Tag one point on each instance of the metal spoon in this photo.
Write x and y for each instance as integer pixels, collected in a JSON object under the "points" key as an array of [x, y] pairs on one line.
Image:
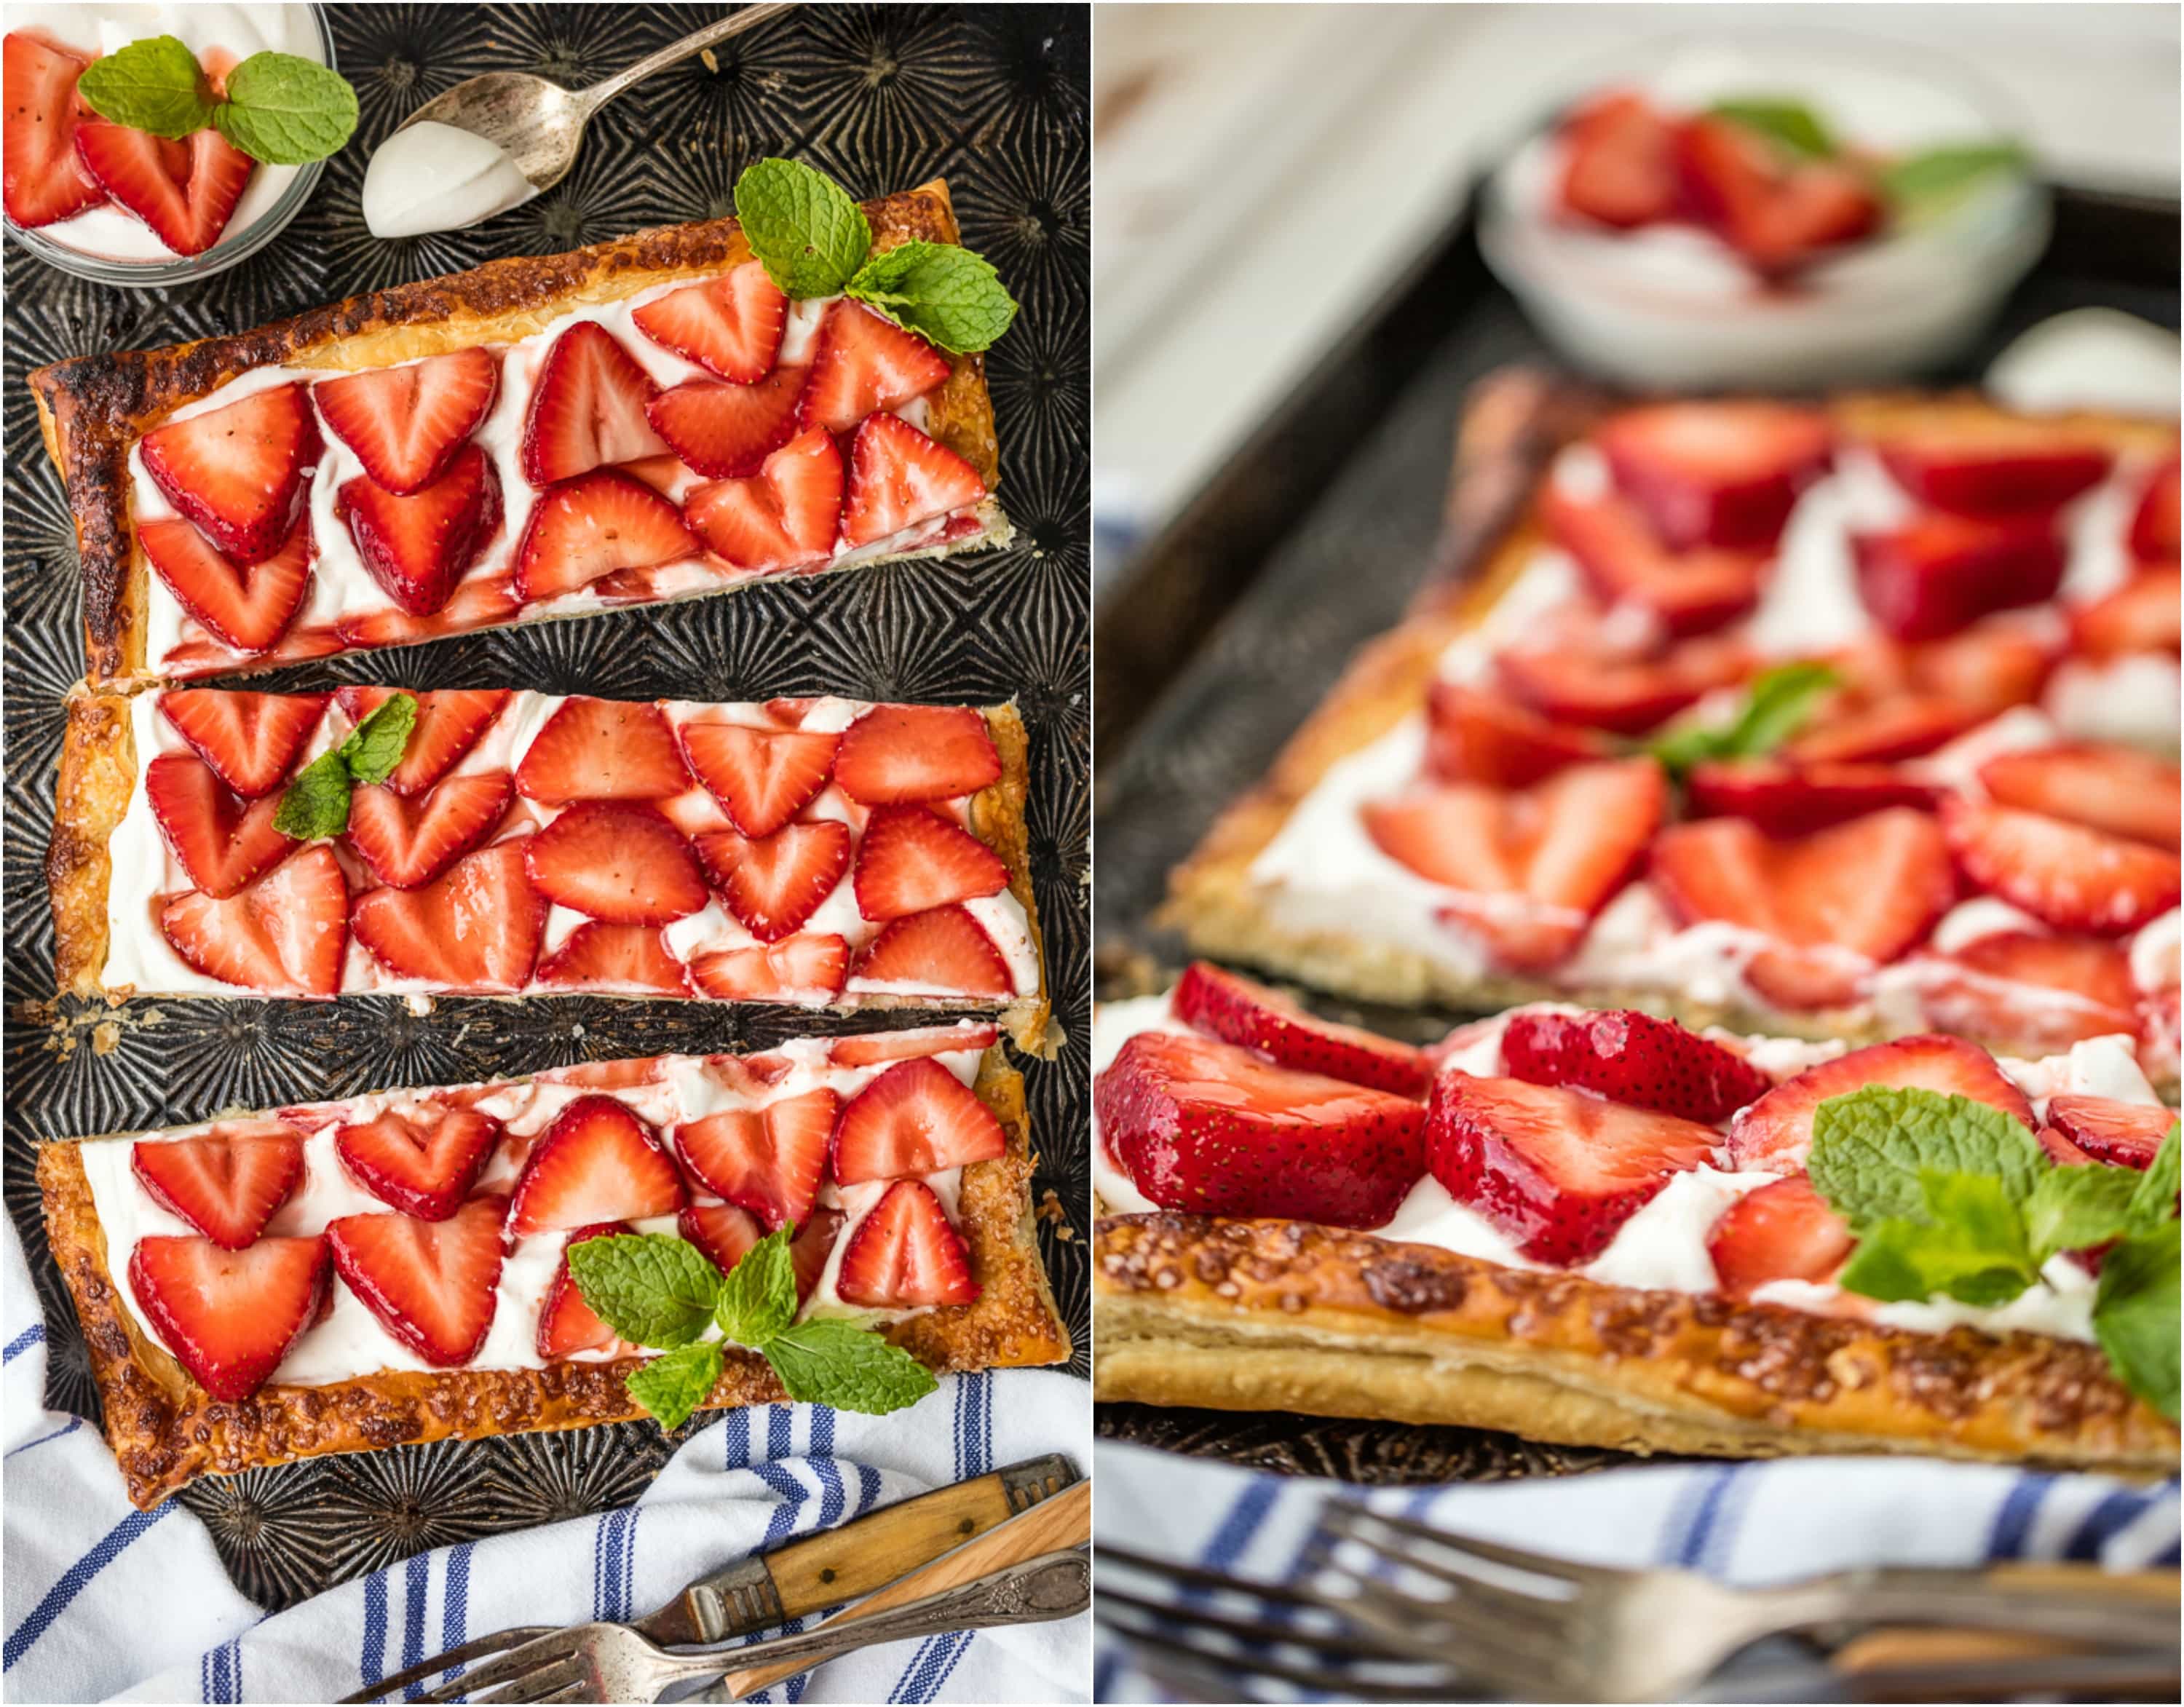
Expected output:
{"points": [[540, 124]]}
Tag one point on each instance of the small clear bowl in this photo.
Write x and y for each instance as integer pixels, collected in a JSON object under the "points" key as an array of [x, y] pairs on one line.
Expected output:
{"points": [[234, 247]]}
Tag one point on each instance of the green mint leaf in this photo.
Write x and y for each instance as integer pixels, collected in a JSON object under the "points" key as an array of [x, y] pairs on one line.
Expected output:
{"points": [[831, 1361], [1923, 186], [316, 803], [1870, 1147], [2153, 1200], [2074, 1207], [803, 226], [154, 84], [1775, 708], [285, 110], [949, 297], [672, 1386], [1980, 1208], [758, 1300], [375, 747], [2136, 1315], [1907, 1262], [1791, 123], [651, 1288]]}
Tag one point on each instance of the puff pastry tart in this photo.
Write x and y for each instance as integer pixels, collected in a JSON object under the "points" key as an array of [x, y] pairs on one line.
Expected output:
{"points": [[648, 419], [1593, 1228], [350, 1275], [821, 852], [1969, 823]]}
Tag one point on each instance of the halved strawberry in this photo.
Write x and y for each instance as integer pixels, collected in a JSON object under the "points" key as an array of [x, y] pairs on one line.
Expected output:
{"points": [[593, 527], [248, 608], [283, 935], [784, 516], [942, 951], [770, 1161], [864, 363], [615, 958], [726, 431], [476, 926], [904, 1255], [1834, 903], [1776, 209], [912, 858], [1632, 1057], [44, 179], [1994, 467], [1527, 868], [480, 600], [1990, 665], [226, 1184], [1717, 473], [895, 754], [407, 424], [762, 777], [775, 883], [1788, 799], [603, 749], [249, 739], [2063, 874], [898, 477], [722, 1231], [914, 1118], [1619, 164], [186, 192], [407, 843], [1237, 1010], [423, 1163], [2155, 523], [431, 1284], [1473, 736], [731, 325], [1903, 725], [1687, 591], [2142, 615], [809, 1250], [879, 1047], [1938, 572], [586, 407], [223, 842], [229, 1316], [1626, 695], [1209, 1128], [597, 1162], [417, 548], [1557, 1170], [1784, 1231], [1776, 1133], [240, 472], [566, 1324], [449, 721], [808, 970], [618, 861], [2126, 1134], [2118, 789], [2036, 994]]}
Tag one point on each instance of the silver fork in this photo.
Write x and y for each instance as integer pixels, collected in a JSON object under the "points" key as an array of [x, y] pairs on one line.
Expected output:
{"points": [[1545, 1629]]}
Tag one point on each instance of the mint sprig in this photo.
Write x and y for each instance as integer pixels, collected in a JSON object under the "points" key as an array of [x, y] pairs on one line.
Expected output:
{"points": [[1925, 186], [316, 803], [1791, 123], [949, 297], [154, 84], [277, 108], [1775, 708]]}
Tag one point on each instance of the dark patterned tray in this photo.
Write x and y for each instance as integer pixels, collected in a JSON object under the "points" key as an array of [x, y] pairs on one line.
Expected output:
{"points": [[992, 98]]}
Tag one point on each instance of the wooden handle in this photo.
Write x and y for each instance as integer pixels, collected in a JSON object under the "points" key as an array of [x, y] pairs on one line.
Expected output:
{"points": [[2042, 1578], [1913, 1646], [844, 1564]]}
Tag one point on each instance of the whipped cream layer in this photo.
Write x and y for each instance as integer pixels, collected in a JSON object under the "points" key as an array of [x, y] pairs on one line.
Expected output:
{"points": [[350, 1341], [144, 869]]}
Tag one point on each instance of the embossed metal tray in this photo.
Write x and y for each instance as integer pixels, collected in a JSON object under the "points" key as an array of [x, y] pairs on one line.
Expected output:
{"points": [[992, 98]]}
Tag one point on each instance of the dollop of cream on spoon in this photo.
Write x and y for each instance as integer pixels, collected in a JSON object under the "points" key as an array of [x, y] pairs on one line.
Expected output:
{"points": [[435, 177]]}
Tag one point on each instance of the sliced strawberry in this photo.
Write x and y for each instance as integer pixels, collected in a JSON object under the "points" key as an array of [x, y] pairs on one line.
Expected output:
{"points": [[881, 1047], [1937, 573], [1994, 468], [1625, 695], [865, 363], [2118, 789], [775, 883], [2126, 1134], [904, 1255], [1688, 592], [1618, 162], [1775, 209], [894, 755], [617, 959], [2142, 615], [603, 749], [593, 527], [240, 472], [809, 1250], [1209, 1128], [898, 477], [1990, 665], [431, 1284], [479, 601], [783, 517], [1784, 1231], [225, 843], [246, 608], [722, 1231], [1237, 1010], [942, 951], [45, 181], [1527, 868], [1785, 800], [417, 548], [478, 926], [407, 424], [229, 1316], [566, 1324], [1557, 1170], [2063, 874], [1835, 903], [731, 325], [770, 1161], [1718, 473], [423, 1163], [186, 192], [249, 739], [597, 1162], [407, 843], [2154, 522], [762, 777], [618, 861], [1899, 726], [283, 935], [2033, 992], [449, 722], [1776, 1133], [726, 431], [914, 1118], [912, 858], [1632, 1057], [226, 1185], [808, 970], [1481, 737], [586, 407]]}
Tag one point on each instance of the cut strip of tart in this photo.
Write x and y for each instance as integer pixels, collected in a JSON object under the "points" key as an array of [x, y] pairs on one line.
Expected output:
{"points": [[825, 853], [342, 1276]]}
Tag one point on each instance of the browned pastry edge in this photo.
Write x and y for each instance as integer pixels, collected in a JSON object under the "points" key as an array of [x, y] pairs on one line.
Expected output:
{"points": [[91, 409], [165, 1432], [98, 774], [1285, 1315]]}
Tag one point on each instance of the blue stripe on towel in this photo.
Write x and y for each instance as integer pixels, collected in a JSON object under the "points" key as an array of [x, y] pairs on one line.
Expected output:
{"points": [[73, 1581], [416, 1588], [33, 1335], [2013, 1523]]}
